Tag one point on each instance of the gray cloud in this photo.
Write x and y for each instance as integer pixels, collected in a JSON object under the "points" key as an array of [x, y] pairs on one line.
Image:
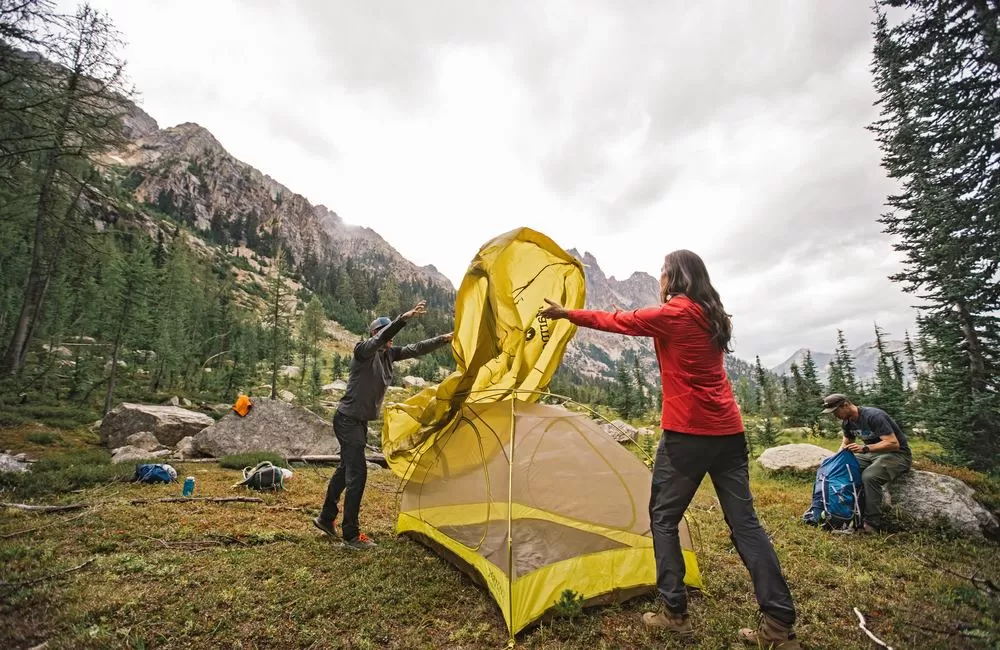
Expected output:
{"points": [[627, 104], [595, 70], [302, 133]]}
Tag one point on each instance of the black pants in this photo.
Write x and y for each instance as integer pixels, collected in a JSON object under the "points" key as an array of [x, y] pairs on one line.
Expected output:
{"points": [[681, 463], [351, 474]]}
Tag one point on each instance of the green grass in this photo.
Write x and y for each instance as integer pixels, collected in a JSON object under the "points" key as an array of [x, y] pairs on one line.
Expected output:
{"points": [[244, 575], [60, 416], [63, 473], [44, 438]]}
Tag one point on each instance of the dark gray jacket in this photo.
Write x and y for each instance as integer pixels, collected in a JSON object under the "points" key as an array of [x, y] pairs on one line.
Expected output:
{"points": [[371, 370]]}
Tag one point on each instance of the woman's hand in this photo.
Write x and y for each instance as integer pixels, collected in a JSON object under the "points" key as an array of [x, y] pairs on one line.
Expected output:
{"points": [[554, 311]]}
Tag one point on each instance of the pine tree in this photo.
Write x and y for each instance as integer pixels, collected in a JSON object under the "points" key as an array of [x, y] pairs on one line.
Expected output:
{"points": [[745, 395], [813, 387], [624, 391], [76, 111], [388, 298], [937, 74], [174, 324], [280, 304], [801, 406], [311, 328], [887, 391], [842, 377], [641, 386], [131, 284], [765, 387], [917, 383], [767, 435]]}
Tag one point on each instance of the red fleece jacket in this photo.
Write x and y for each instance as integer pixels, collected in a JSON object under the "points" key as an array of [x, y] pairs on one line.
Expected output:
{"points": [[697, 397]]}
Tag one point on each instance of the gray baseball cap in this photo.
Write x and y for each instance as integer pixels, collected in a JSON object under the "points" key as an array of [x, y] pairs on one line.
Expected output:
{"points": [[832, 402]]}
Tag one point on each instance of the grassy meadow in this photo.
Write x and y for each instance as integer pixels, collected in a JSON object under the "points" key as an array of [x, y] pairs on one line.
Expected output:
{"points": [[198, 574]]}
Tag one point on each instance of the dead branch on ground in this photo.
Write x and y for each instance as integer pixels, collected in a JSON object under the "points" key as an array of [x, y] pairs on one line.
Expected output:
{"points": [[862, 625], [54, 523], [136, 502], [30, 508]]}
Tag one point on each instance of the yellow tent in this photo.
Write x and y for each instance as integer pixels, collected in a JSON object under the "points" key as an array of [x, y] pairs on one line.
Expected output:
{"points": [[533, 499], [500, 343]]}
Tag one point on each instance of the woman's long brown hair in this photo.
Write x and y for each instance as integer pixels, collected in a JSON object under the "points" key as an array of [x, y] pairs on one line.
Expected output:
{"points": [[687, 274]]}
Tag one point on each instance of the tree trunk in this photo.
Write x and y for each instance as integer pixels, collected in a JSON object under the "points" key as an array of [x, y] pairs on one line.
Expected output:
{"points": [[987, 19], [38, 277], [110, 393], [977, 365]]}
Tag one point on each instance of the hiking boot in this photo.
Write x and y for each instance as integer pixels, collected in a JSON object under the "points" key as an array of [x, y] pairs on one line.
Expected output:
{"points": [[868, 529], [667, 620], [360, 542], [770, 634], [328, 528]]}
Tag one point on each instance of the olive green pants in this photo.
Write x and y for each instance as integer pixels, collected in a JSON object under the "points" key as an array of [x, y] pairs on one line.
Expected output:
{"points": [[876, 471]]}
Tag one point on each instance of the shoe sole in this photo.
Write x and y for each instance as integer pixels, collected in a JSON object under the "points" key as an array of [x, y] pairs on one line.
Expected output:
{"points": [[332, 535], [654, 629], [359, 547]]}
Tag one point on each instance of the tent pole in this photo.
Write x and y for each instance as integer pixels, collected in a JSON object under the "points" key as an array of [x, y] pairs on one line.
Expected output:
{"points": [[510, 529]]}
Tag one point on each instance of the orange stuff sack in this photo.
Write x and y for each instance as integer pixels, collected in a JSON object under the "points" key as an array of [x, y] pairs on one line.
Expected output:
{"points": [[242, 405]]}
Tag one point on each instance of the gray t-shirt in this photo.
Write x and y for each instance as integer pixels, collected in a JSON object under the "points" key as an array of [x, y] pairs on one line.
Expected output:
{"points": [[871, 425]]}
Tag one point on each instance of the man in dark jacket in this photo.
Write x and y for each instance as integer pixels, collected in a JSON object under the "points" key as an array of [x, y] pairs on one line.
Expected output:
{"points": [[883, 452], [371, 373]]}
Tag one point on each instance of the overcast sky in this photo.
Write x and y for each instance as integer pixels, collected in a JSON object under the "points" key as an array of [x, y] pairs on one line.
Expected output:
{"points": [[620, 127]]}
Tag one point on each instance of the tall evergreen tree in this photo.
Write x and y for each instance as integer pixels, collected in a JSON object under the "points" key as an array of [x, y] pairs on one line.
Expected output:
{"points": [[842, 375], [914, 403], [642, 392], [73, 113], [746, 395], [280, 304], [803, 401], [310, 332], [624, 391], [813, 387], [766, 390], [937, 73], [131, 285], [887, 390]]}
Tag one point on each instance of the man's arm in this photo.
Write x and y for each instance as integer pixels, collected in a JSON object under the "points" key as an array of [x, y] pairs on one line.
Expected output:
{"points": [[846, 437], [419, 348], [367, 348], [888, 441]]}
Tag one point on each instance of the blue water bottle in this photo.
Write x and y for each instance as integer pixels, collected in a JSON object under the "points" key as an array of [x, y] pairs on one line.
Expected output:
{"points": [[188, 486]]}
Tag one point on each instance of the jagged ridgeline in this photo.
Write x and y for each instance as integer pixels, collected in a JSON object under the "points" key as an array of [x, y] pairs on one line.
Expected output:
{"points": [[156, 262]]}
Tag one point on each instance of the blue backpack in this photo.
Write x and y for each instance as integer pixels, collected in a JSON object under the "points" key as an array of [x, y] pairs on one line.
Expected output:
{"points": [[152, 473], [837, 493]]}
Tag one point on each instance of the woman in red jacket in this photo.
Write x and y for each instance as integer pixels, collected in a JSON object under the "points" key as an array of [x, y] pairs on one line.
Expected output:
{"points": [[702, 434]]}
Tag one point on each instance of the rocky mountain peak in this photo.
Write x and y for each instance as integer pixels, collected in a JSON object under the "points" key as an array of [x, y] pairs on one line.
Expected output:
{"points": [[185, 172]]}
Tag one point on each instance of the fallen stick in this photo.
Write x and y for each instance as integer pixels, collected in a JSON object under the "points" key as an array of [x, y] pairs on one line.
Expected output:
{"points": [[44, 578], [186, 499], [54, 523], [378, 459], [864, 629], [24, 506]]}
